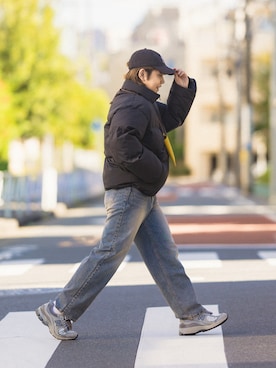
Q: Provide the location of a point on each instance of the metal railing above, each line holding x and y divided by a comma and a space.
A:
27, 196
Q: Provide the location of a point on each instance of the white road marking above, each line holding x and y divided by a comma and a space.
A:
74, 268
25, 342
18, 267
16, 251
269, 256
246, 208
30, 291
121, 267
240, 246
201, 266
161, 347
124, 263
200, 260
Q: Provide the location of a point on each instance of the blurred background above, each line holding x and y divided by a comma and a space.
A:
61, 62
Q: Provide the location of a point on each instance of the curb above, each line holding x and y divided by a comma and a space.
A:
8, 224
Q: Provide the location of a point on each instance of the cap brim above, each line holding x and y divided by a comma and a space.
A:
165, 70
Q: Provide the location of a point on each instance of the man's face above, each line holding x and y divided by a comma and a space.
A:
154, 81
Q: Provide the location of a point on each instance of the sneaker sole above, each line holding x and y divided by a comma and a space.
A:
190, 331
40, 315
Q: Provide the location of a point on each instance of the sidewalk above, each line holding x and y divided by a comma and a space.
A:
24, 199
8, 225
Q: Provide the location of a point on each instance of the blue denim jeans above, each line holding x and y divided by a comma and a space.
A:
131, 217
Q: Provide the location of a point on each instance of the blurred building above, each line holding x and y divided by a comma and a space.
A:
220, 50
158, 31
210, 137
197, 41
210, 40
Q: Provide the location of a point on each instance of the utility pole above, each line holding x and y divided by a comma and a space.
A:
237, 163
272, 122
221, 114
218, 74
248, 110
244, 39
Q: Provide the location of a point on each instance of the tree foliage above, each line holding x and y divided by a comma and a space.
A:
39, 89
261, 80
7, 125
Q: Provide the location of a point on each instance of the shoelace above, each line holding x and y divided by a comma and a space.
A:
65, 323
202, 316
68, 324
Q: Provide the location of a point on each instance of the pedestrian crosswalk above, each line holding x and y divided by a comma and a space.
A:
199, 260
7, 253
25, 342
232, 194
269, 256
131, 318
201, 266
160, 346
159, 343
18, 267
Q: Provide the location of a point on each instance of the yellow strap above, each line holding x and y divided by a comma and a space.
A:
169, 149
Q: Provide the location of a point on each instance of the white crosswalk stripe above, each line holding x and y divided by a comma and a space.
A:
74, 268
121, 267
7, 253
18, 267
201, 266
25, 342
269, 256
200, 260
160, 345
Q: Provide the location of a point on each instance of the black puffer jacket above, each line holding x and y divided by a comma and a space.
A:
134, 135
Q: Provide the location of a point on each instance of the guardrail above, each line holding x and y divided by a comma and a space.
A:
27, 197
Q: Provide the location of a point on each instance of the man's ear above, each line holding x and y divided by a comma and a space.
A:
142, 74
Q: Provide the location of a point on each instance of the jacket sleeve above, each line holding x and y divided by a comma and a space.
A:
179, 103
125, 136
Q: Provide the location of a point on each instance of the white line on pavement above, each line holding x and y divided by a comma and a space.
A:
200, 260
161, 347
25, 342
269, 256
15, 251
219, 210
18, 267
124, 263
29, 291
121, 267
74, 268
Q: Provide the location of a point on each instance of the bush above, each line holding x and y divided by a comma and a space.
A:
180, 169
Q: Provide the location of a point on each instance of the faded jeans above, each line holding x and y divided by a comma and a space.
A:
131, 217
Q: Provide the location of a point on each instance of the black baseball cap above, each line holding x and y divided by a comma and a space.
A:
148, 58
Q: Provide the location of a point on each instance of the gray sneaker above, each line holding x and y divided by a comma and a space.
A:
202, 322
59, 326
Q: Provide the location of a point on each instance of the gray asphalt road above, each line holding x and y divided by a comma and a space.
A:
37, 260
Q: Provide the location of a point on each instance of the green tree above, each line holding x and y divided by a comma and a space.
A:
261, 80
7, 125
46, 96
